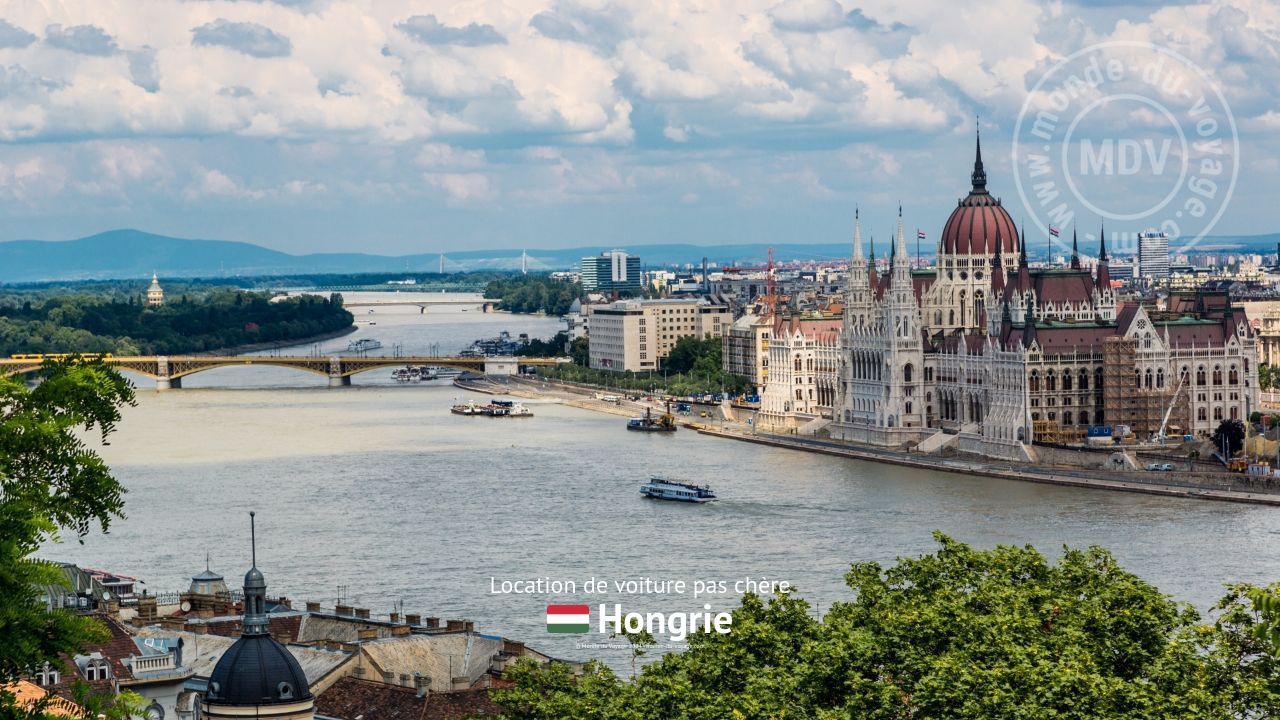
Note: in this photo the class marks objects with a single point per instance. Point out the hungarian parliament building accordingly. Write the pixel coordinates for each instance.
(998, 354)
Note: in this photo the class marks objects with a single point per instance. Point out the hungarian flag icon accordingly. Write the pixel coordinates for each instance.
(568, 618)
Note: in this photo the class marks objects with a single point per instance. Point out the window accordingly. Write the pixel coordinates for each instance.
(1217, 374)
(1200, 375)
(907, 372)
(46, 676)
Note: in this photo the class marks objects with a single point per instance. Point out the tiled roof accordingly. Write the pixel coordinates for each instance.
(460, 705)
(27, 694)
(1058, 286)
(350, 698)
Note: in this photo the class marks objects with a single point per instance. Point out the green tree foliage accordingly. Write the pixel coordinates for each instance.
(554, 347)
(1266, 376)
(533, 293)
(962, 634)
(580, 351)
(197, 323)
(51, 482)
(1230, 433)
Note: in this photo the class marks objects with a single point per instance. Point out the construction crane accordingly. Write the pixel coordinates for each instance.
(1160, 436)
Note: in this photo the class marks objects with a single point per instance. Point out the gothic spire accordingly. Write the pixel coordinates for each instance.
(1102, 243)
(857, 237)
(997, 266)
(1075, 249)
(979, 174)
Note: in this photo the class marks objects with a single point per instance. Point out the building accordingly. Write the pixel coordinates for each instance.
(613, 273)
(1153, 254)
(635, 335)
(804, 362)
(257, 677)
(746, 349)
(155, 293)
(987, 354)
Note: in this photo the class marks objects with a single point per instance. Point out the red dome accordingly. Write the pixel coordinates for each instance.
(979, 219)
(974, 226)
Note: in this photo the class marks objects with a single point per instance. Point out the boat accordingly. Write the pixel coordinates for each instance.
(666, 422)
(363, 345)
(662, 489)
(467, 408)
(507, 408)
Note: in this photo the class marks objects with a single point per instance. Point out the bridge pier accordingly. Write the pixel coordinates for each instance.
(340, 381)
(168, 383)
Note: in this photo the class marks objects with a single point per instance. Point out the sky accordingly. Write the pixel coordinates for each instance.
(399, 127)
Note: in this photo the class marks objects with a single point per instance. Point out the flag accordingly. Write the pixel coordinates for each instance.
(1053, 231)
(920, 235)
(568, 618)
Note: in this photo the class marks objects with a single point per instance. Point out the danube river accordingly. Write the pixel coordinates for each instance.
(377, 493)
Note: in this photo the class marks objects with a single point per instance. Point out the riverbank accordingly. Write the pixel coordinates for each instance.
(259, 347)
(1203, 486)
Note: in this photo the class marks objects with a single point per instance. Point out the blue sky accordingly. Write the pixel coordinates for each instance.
(397, 127)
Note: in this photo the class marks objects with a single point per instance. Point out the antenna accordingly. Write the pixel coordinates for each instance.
(253, 538)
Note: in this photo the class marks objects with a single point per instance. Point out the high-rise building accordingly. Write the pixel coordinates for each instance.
(1153, 254)
(612, 272)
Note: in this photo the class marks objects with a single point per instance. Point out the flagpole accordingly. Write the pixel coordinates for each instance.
(917, 244)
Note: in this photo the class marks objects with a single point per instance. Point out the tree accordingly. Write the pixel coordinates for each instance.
(580, 351)
(50, 483)
(962, 634)
(1230, 434)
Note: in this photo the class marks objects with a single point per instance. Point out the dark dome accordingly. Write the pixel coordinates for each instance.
(257, 670)
(980, 217)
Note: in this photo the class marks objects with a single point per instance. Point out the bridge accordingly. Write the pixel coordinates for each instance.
(423, 303)
(168, 371)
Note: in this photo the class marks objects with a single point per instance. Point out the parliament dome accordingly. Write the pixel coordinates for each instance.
(979, 221)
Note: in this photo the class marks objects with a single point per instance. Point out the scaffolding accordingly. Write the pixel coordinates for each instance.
(1128, 402)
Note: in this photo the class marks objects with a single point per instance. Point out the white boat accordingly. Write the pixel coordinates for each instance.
(663, 489)
(363, 345)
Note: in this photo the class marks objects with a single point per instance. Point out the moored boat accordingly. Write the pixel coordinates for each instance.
(663, 489)
(665, 422)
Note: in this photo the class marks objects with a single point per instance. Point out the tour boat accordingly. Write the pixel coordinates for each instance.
(663, 489)
(363, 345)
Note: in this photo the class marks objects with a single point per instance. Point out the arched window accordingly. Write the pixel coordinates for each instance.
(1067, 418)
(1217, 374)
(1084, 379)
(1050, 382)
(1066, 380)
(1233, 377)
(1035, 381)
(1201, 415)
(907, 372)
(1149, 375)
(1200, 375)
(1160, 378)
(799, 364)
(1217, 413)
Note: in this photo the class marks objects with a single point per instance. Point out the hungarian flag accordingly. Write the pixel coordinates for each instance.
(568, 618)
(920, 235)
(1053, 231)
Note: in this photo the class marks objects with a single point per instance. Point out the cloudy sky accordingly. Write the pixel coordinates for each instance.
(397, 126)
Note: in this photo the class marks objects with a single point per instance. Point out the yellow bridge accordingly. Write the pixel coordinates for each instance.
(168, 371)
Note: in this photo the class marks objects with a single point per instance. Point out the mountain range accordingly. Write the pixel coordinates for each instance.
(124, 254)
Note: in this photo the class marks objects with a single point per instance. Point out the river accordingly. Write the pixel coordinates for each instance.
(376, 492)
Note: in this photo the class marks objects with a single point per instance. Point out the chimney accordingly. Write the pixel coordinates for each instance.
(388, 677)
(406, 679)
(433, 622)
(468, 625)
(344, 610)
(395, 617)
(313, 607)
(413, 619)
(362, 613)
(512, 647)
(400, 631)
(421, 683)
(454, 625)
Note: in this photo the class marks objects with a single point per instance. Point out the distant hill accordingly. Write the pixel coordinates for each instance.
(123, 254)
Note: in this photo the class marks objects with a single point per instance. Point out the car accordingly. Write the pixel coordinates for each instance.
(1154, 467)
(1167, 467)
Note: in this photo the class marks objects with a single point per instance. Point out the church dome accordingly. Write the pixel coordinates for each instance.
(257, 670)
(979, 220)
